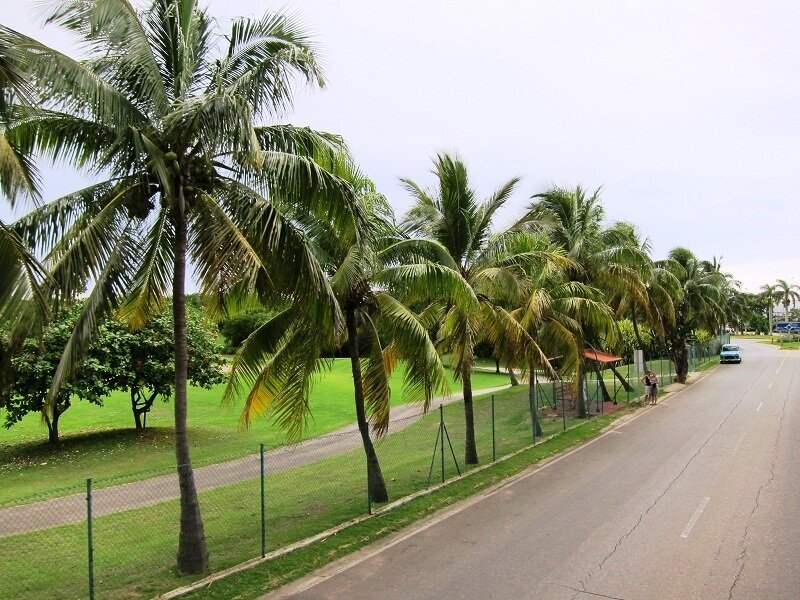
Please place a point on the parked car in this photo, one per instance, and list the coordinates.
(730, 353)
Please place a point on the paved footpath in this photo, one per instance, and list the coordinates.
(146, 492)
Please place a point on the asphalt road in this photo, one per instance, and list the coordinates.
(698, 497)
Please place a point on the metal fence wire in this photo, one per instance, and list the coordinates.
(109, 539)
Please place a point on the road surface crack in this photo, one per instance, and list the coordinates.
(587, 592)
(743, 542)
(671, 484)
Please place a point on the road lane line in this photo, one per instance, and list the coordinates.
(778, 370)
(769, 387)
(693, 521)
(760, 404)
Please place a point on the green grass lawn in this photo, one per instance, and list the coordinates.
(100, 442)
(787, 345)
(134, 550)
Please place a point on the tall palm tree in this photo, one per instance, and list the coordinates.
(603, 257)
(494, 265)
(374, 277)
(189, 169)
(769, 294)
(787, 294)
(662, 290)
(553, 314)
(701, 305)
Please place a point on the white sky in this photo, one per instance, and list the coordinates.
(686, 112)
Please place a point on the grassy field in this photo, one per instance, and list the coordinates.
(100, 442)
(134, 550)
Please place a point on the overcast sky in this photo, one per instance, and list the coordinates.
(687, 113)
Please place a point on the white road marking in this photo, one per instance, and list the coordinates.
(769, 387)
(693, 521)
(760, 404)
(778, 370)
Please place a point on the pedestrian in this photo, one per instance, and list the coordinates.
(647, 386)
(653, 388)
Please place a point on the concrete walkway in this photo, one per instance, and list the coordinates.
(146, 492)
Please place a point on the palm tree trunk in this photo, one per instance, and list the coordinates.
(638, 337)
(192, 551)
(603, 389)
(376, 486)
(624, 382)
(580, 407)
(470, 448)
(532, 397)
(681, 359)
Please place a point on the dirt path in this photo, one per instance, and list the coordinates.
(72, 509)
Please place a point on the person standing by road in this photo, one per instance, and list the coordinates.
(653, 387)
(647, 386)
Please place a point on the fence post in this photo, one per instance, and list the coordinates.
(263, 509)
(441, 436)
(563, 406)
(89, 536)
(494, 445)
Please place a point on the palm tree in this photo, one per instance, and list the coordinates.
(770, 295)
(188, 170)
(603, 258)
(701, 305)
(374, 277)
(494, 265)
(787, 294)
(553, 314)
(662, 290)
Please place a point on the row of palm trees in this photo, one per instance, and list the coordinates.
(177, 125)
(781, 292)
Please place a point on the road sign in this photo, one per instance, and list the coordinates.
(787, 327)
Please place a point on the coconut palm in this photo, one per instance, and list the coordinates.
(175, 126)
(374, 277)
(787, 294)
(662, 290)
(701, 305)
(494, 265)
(553, 314)
(602, 257)
(769, 293)
(23, 275)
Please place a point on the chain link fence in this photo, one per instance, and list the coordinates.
(108, 539)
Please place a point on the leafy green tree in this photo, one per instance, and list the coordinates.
(494, 266)
(173, 124)
(144, 359)
(602, 257)
(236, 329)
(34, 365)
(701, 306)
(374, 281)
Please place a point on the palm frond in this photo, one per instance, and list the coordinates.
(424, 373)
(110, 287)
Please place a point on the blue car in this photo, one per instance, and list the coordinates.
(730, 353)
